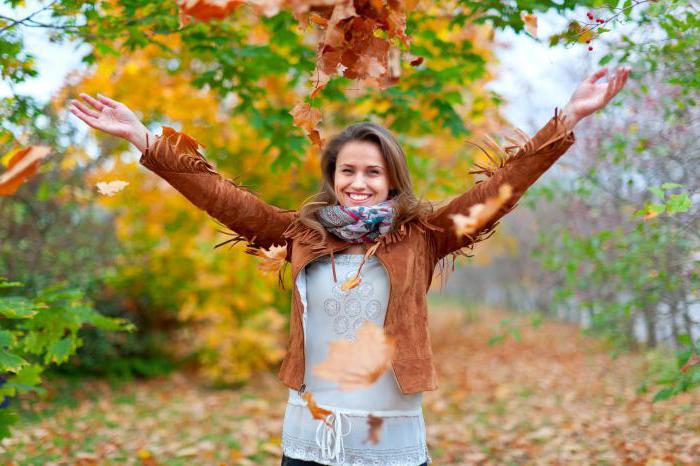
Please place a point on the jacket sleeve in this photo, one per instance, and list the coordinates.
(175, 157)
(521, 166)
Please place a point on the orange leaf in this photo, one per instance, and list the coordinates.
(480, 214)
(22, 166)
(206, 10)
(530, 24)
(374, 424)
(307, 117)
(316, 411)
(318, 19)
(351, 283)
(357, 364)
(650, 215)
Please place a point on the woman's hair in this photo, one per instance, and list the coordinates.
(407, 206)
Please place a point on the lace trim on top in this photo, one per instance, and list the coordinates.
(329, 449)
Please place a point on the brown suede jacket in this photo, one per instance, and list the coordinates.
(410, 255)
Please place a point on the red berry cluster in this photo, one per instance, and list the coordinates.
(598, 21)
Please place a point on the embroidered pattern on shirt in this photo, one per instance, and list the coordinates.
(351, 308)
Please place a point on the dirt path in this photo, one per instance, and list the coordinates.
(552, 398)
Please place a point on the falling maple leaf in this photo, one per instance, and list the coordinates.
(316, 411)
(205, 10)
(110, 188)
(357, 364)
(374, 425)
(530, 24)
(22, 165)
(307, 117)
(480, 214)
(272, 259)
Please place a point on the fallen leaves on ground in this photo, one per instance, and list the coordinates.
(552, 398)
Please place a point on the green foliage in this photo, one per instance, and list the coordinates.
(41, 331)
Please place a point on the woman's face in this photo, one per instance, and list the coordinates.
(360, 175)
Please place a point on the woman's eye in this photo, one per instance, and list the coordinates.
(347, 171)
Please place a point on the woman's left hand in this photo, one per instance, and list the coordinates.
(590, 96)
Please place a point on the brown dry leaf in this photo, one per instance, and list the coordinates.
(530, 24)
(480, 214)
(351, 283)
(272, 259)
(205, 10)
(357, 364)
(375, 426)
(349, 40)
(316, 411)
(417, 61)
(110, 188)
(22, 166)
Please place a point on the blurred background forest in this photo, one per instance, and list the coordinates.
(131, 285)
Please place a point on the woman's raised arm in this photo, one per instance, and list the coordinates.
(175, 157)
(523, 167)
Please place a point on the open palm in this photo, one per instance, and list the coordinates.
(591, 96)
(106, 115)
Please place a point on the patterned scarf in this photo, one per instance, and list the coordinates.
(358, 224)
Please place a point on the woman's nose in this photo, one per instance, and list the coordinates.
(358, 182)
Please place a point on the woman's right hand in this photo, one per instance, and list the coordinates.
(113, 118)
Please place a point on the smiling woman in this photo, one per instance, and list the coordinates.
(366, 199)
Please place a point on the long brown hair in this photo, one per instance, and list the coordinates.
(408, 206)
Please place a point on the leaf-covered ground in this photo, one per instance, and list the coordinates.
(552, 398)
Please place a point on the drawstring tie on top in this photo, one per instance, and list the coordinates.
(330, 439)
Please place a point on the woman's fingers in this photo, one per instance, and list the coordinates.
(90, 121)
(85, 109)
(107, 101)
(597, 75)
(92, 101)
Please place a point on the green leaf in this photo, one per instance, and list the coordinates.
(678, 203)
(8, 417)
(605, 59)
(658, 191)
(16, 307)
(61, 350)
(10, 362)
(664, 394)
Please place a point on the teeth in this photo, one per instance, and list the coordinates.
(355, 197)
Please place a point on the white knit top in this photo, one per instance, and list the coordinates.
(329, 315)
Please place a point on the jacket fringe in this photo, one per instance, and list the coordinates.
(521, 145)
